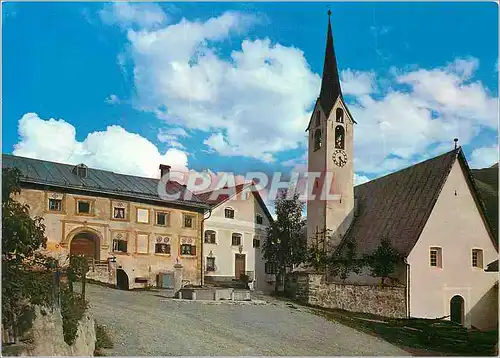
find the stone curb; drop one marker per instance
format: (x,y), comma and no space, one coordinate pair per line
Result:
(219,302)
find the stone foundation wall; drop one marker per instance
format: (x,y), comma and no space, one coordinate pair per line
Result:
(388,301)
(46,336)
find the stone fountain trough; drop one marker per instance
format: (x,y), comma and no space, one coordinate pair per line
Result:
(213,294)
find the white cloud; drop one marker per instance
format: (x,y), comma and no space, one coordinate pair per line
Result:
(102,150)
(484,157)
(113,99)
(254,103)
(125,14)
(436,106)
(357,83)
(360,179)
(172,136)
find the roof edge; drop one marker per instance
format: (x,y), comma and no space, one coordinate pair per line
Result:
(202,204)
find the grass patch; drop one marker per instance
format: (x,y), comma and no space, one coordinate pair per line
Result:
(103,340)
(419,336)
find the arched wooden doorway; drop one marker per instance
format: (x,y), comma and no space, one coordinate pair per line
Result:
(457,309)
(85,243)
(122,279)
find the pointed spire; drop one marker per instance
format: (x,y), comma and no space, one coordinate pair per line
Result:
(330,83)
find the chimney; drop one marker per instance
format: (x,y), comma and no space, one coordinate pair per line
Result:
(164,169)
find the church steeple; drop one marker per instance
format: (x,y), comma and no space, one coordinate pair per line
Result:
(330,83)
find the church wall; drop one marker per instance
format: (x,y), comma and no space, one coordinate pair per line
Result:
(388,301)
(455,225)
(62,226)
(364,277)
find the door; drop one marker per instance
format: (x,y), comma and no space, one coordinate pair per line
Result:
(239,265)
(457,309)
(121,279)
(167,280)
(83,244)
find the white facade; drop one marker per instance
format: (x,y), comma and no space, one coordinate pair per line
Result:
(455,227)
(224,254)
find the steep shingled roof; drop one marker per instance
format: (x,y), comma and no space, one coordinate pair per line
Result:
(330,82)
(42,172)
(397,206)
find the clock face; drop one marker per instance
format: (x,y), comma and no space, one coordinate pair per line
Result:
(339,158)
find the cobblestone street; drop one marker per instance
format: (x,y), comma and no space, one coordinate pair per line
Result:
(144,323)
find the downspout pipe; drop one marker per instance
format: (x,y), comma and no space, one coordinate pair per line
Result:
(202,281)
(408,312)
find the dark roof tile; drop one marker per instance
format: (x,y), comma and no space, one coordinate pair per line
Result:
(97,181)
(398,205)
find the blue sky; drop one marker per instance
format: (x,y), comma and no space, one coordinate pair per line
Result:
(229,86)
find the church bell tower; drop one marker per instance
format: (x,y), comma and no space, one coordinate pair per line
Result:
(330,152)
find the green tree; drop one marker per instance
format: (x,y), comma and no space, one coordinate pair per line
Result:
(78,269)
(317,255)
(346,261)
(383,261)
(285,244)
(22,236)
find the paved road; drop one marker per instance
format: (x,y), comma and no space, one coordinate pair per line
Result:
(144,323)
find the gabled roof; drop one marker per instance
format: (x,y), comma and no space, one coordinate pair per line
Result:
(486,180)
(222,198)
(492,267)
(397,206)
(97,181)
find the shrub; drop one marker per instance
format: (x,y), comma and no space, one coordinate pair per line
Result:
(103,338)
(73,308)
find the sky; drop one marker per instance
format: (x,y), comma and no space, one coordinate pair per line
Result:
(229,87)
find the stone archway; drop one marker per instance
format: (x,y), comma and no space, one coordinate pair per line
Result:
(457,309)
(85,243)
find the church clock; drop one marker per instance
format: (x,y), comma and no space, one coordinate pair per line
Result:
(339,158)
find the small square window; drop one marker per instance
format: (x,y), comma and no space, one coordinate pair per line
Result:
(435,257)
(236,240)
(118,213)
(256,243)
(188,221)
(55,204)
(119,245)
(83,207)
(270,268)
(211,264)
(229,213)
(477,258)
(187,249)
(162,248)
(259,219)
(161,218)
(210,237)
